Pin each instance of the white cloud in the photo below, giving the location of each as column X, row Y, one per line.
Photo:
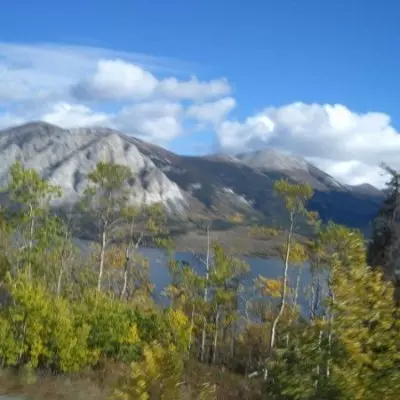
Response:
column 212, row 112
column 74, row 115
column 145, row 96
column 253, row 133
column 347, row 144
column 75, row 85
column 194, row 89
column 121, row 80
column 116, row 80
column 27, row 71
column 157, row 121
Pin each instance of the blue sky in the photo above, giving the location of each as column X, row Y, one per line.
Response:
column 319, row 79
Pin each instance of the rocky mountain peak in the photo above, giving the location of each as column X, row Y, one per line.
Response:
column 65, row 157
column 219, row 185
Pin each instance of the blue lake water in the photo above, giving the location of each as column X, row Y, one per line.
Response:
column 270, row 268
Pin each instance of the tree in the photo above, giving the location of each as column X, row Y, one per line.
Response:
column 5, row 241
column 224, row 285
column 105, row 198
column 365, row 325
column 343, row 250
column 185, row 292
column 32, row 196
column 295, row 197
column 207, row 263
column 384, row 246
column 143, row 223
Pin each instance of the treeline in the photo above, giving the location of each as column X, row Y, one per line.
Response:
column 67, row 313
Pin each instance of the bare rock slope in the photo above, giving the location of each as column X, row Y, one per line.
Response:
column 65, row 157
column 218, row 185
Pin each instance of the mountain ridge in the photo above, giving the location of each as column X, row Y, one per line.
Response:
column 217, row 185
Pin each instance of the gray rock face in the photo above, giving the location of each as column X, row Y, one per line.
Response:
column 295, row 168
column 270, row 159
column 216, row 185
column 65, row 157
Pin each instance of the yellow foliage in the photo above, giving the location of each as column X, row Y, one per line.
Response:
column 298, row 253
column 295, row 196
column 269, row 287
column 236, row 218
column 115, row 257
column 156, row 376
column 133, row 335
column 263, row 232
column 180, row 327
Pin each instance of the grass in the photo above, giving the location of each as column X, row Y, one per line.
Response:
column 99, row 384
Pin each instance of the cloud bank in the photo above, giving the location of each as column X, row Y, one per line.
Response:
column 158, row 99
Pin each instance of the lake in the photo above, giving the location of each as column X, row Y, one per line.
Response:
column 269, row 267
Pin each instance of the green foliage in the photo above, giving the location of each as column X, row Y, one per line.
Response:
column 29, row 190
column 384, row 247
column 31, row 195
column 106, row 196
column 117, row 330
column 298, row 370
column 294, row 195
column 53, row 319
column 40, row 331
column 157, row 376
column 352, row 351
column 368, row 331
column 263, row 232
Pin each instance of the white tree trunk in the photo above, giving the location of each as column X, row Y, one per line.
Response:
column 295, row 298
column 60, row 276
column 319, row 351
column 204, row 331
column 125, row 277
column 284, row 288
column 30, row 244
column 331, row 320
column 102, row 256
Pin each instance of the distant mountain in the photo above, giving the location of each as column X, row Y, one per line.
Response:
column 219, row 186
column 295, row 168
column 350, row 205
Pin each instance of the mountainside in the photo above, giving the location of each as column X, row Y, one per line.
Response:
column 217, row 185
column 66, row 156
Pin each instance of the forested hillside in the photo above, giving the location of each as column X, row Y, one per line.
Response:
column 78, row 327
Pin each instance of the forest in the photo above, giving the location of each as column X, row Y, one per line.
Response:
column 87, row 326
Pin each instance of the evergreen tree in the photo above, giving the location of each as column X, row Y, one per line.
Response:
column 384, row 247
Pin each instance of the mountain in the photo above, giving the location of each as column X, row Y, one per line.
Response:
column 353, row 206
column 65, row 157
column 295, row 168
column 218, row 185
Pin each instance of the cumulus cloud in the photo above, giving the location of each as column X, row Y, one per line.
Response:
column 212, row 112
column 157, row 121
column 154, row 98
column 74, row 115
column 116, row 80
column 75, row 85
column 347, row 144
column 121, row 80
